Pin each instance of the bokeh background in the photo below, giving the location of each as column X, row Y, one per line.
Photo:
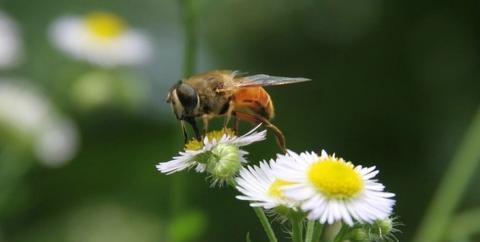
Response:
column 395, row 84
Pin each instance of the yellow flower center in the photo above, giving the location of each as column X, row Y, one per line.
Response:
column 194, row 144
column 275, row 189
column 105, row 25
column 335, row 178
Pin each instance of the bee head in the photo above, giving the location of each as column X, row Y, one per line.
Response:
column 184, row 100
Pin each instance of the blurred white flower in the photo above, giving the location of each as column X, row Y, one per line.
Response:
column 21, row 107
column 10, row 43
column 101, row 38
column 331, row 189
column 56, row 143
column 26, row 113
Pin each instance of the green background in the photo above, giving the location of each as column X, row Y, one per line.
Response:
column 395, row 84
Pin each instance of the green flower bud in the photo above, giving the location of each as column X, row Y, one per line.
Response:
column 380, row 230
column 381, row 227
column 385, row 225
column 284, row 213
column 93, row 89
column 358, row 235
column 223, row 162
column 103, row 89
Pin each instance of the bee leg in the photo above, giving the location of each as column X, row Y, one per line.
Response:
column 254, row 118
column 228, row 115
column 205, row 119
column 193, row 123
column 184, row 131
column 235, row 122
column 278, row 135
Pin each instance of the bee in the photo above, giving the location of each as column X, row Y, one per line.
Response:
column 226, row 93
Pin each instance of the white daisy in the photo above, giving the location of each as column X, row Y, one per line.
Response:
column 260, row 186
column 331, row 189
column 196, row 152
column 10, row 46
column 27, row 114
column 101, row 38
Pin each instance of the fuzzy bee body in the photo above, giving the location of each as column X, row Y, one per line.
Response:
column 213, row 101
column 223, row 92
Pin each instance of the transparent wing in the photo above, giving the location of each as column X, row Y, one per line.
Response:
column 267, row 80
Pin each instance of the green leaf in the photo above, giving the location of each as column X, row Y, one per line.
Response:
column 464, row 225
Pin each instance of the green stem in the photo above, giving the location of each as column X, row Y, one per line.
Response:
column 178, row 196
column 310, row 231
column 190, row 44
column 343, row 231
column 262, row 217
column 297, row 230
column 266, row 224
column 452, row 187
column 464, row 224
column 317, row 232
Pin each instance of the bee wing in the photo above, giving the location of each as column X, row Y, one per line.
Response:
column 266, row 80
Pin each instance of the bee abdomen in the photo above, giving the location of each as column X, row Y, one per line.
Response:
column 254, row 99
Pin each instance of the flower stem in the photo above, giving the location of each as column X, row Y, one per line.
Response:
column 317, row 232
column 310, row 230
column 178, row 197
column 343, row 231
column 297, row 230
column 452, row 186
column 464, row 224
column 190, row 44
column 262, row 217
column 266, row 224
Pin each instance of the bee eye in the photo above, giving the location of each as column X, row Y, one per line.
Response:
column 188, row 97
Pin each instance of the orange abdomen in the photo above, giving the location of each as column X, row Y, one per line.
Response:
column 254, row 99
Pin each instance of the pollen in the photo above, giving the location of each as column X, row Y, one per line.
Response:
column 335, row 178
column 194, row 144
column 275, row 190
column 218, row 134
column 105, row 25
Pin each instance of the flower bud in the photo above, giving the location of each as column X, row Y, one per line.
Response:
column 224, row 162
column 380, row 230
column 284, row 213
column 98, row 89
column 383, row 226
column 359, row 235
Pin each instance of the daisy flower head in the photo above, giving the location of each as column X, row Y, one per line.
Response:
column 10, row 46
column 218, row 153
column 100, row 38
column 260, row 185
column 331, row 189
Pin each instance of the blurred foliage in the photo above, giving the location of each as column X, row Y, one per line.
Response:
column 187, row 226
column 395, row 83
